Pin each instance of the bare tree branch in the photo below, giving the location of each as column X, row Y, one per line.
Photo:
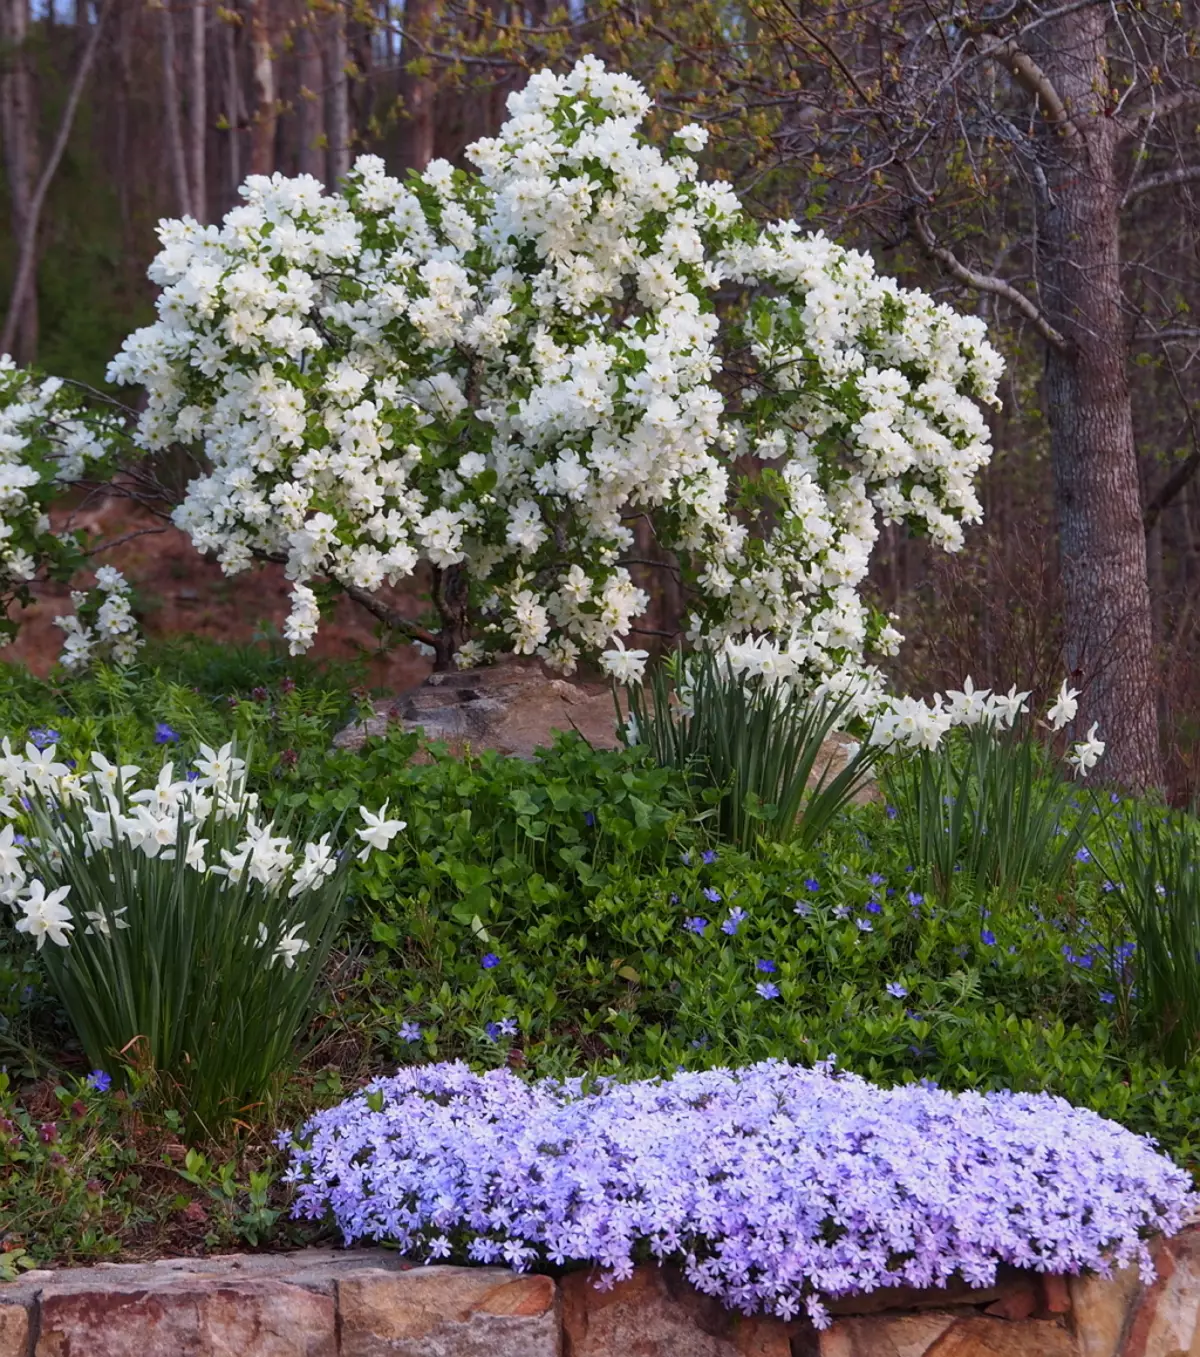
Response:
column 986, row 283
column 1029, row 74
column 1185, row 174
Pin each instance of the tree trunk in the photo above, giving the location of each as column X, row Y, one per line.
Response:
column 1102, row 543
column 266, row 115
column 198, row 110
column 18, row 116
column 311, row 105
column 233, row 106
column 179, row 172
column 337, row 59
column 416, row 90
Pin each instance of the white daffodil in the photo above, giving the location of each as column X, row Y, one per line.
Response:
column 45, row 916
column 378, row 831
column 1062, row 713
column 1086, row 754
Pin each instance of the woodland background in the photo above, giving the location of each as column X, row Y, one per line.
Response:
column 1039, row 164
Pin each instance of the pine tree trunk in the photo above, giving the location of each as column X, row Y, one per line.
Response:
column 266, row 114
column 1102, row 544
column 311, row 102
column 337, row 57
column 18, row 116
column 416, row 90
column 179, row 170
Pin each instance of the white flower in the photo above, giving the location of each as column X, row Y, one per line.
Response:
column 379, row 831
column 290, row 946
column 1063, row 711
column 218, row 768
column 45, row 916
column 625, row 666
column 1086, row 754
column 98, row 921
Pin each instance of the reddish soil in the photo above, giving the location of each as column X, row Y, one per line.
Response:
column 179, row 591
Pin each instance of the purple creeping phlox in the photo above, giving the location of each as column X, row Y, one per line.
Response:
column 738, row 1176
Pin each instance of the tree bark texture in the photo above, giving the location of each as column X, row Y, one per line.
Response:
column 310, row 108
column 266, row 111
column 1107, row 616
column 337, row 59
column 18, row 114
column 416, row 90
column 198, row 109
column 175, row 149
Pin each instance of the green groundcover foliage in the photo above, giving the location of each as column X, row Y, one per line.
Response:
column 579, row 912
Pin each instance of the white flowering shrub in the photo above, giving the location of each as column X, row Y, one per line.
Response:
column 186, row 935
column 498, row 372
column 103, row 626
column 48, row 438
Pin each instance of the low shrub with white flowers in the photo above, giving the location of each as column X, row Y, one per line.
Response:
column 183, row 934
column 496, row 372
column 776, row 1188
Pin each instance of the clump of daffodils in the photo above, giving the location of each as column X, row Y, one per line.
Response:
column 76, row 814
column 495, row 373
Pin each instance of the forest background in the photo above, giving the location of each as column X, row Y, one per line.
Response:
column 1036, row 163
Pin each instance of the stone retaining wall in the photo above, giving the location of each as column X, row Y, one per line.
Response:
column 368, row 1303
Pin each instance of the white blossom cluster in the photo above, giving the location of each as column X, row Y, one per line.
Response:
column 901, row 722
column 167, row 818
column 100, row 628
column 497, row 373
column 45, row 441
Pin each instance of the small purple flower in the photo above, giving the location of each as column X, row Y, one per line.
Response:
column 410, row 1032
column 686, row 858
column 709, row 856
column 916, row 899
column 491, row 1030
column 99, row 1081
column 803, row 908
column 766, row 967
column 42, row 737
column 712, row 896
column 163, row 734
column 811, row 883
column 988, row 938
column 1107, row 997
column 1107, row 886
column 767, row 989
column 490, row 961
column 897, row 990
column 892, row 812
column 737, row 917
column 841, row 911
column 873, row 907
column 192, row 774
column 589, row 818
column 876, row 879
column 696, row 925
column 864, row 925
column 1083, row 856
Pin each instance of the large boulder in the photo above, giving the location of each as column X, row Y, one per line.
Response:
column 514, row 708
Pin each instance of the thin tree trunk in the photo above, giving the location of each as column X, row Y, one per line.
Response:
column 338, row 58
column 1102, row 542
column 19, row 118
column 25, row 276
column 266, row 113
column 416, row 90
column 233, row 108
column 179, row 172
column 198, row 110
column 311, row 108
